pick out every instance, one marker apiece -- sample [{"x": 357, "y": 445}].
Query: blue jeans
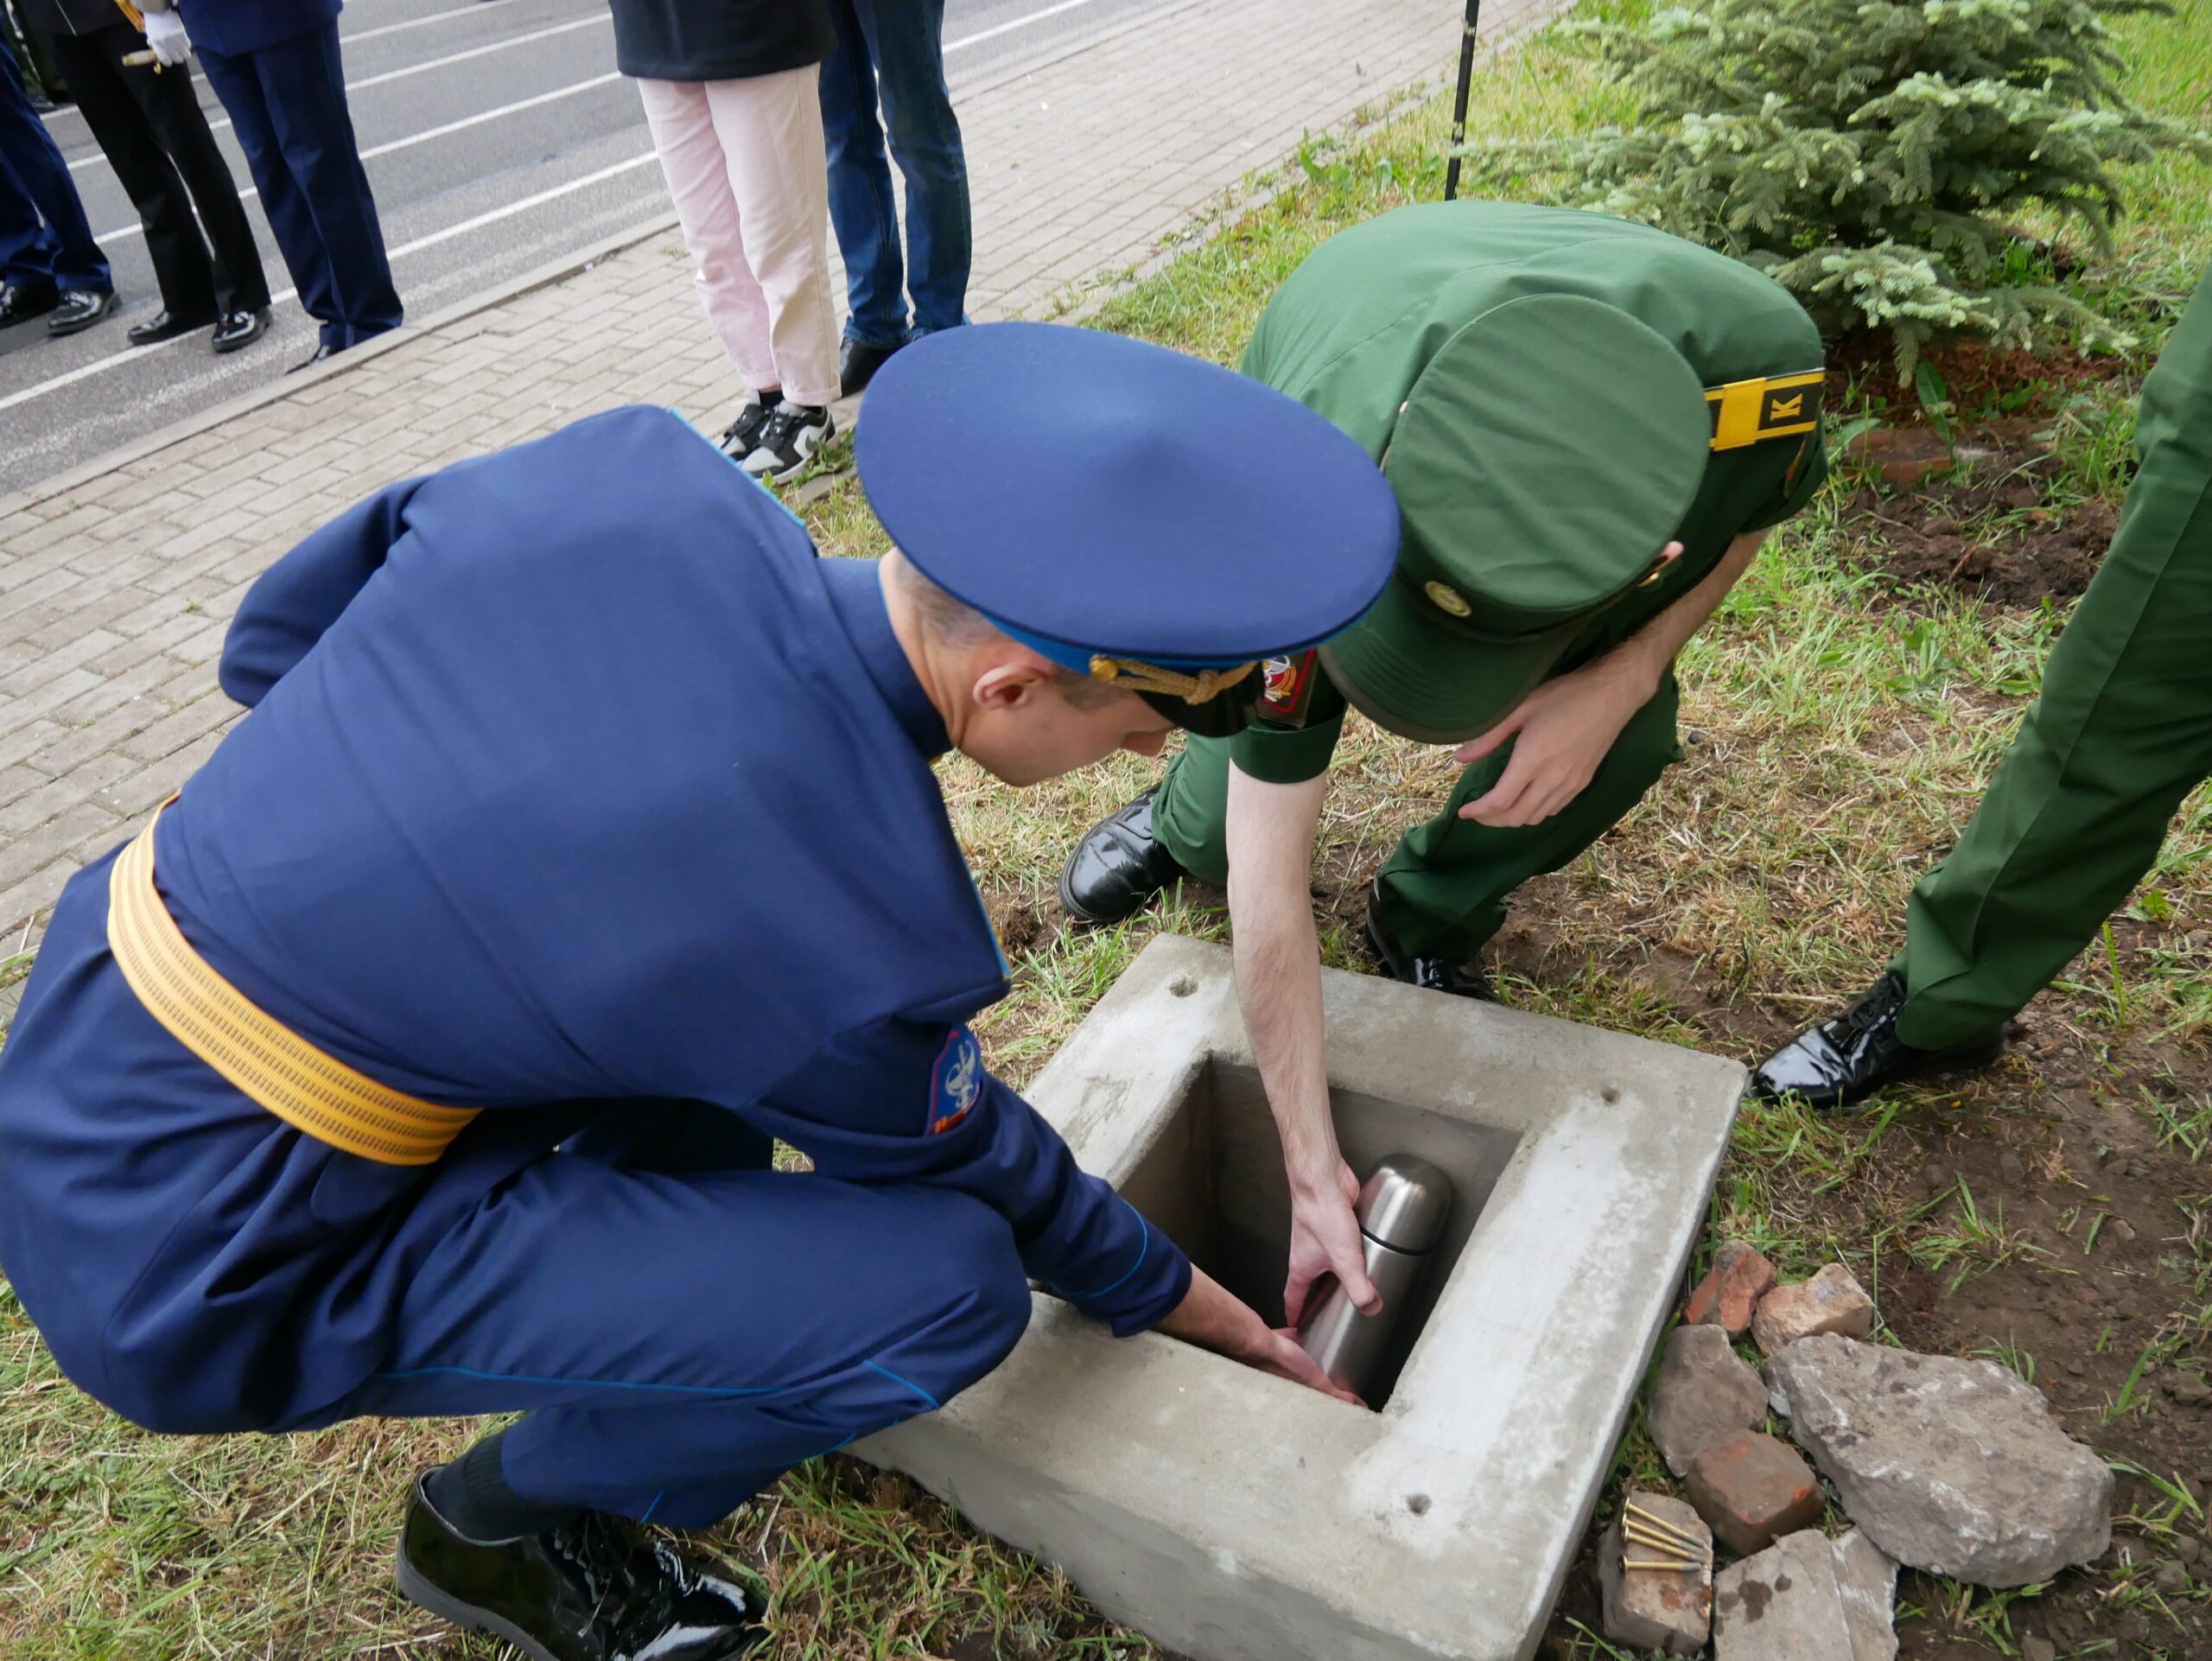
[
  {"x": 287, "y": 103},
  {"x": 45, "y": 242},
  {"x": 892, "y": 51}
]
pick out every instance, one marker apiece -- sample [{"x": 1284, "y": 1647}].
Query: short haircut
[{"x": 954, "y": 622}]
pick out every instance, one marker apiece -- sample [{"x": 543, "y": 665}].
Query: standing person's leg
[
  {"x": 1443, "y": 893},
  {"x": 906, "y": 40},
  {"x": 92, "y": 65},
  {"x": 698, "y": 177},
  {"x": 771, "y": 132},
  {"x": 304, "y": 86},
  {"x": 76, "y": 261},
  {"x": 172, "y": 111},
  {"x": 27, "y": 250},
  {"x": 2119, "y": 735},
  {"x": 862, "y": 204},
  {"x": 238, "y": 85}
]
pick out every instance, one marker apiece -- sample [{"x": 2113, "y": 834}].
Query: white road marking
[
  {"x": 1013, "y": 23},
  {"x": 599, "y": 21},
  {"x": 139, "y": 353},
  {"x": 138, "y": 229},
  {"x": 477, "y": 9}
]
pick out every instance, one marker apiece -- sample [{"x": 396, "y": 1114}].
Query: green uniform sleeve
[
  {"x": 1291, "y": 755},
  {"x": 1806, "y": 475}
]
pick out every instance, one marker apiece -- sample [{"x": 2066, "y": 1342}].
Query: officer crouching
[{"x": 425, "y": 1055}]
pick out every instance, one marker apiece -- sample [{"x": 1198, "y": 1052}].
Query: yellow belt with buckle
[{"x": 267, "y": 1060}]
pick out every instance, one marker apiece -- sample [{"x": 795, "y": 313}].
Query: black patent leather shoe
[
  {"x": 1433, "y": 974},
  {"x": 1846, "y": 1060},
  {"x": 1117, "y": 866},
  {"x": 596, "y": 1589},
  {"x": 20, "y": 301},
  {"x": 321, "y": 352},
  {"x": 857, "y": 362},
  {"x": 165, "y": 325},
  {"x": 78, "y": 310},
  {"x": 236, "y": 328}
]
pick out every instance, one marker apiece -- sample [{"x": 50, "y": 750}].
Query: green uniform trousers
[
  {"x": 1444, "y": 890},
  {"x": 2121, "y": 733}
]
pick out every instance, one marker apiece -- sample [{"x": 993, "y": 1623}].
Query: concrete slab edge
[{"x": 138, "y": 449}]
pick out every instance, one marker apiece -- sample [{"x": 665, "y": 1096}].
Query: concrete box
[{"x": 1235, "y": 1517}]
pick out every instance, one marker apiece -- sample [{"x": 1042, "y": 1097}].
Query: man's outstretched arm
[{"x": 1270, "y": 834}]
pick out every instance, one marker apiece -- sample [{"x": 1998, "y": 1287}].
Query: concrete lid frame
[{"x": 1235, "y": 1516}]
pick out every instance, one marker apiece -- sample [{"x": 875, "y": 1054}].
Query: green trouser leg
[
  {"x": 1191, "y": 814},
  {"x": 1444, "y": 890},
  {"x": 2120, "y": 733}
]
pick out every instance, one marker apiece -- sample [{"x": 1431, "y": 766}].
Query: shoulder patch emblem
[
  {"x": 1286, "y": 687},
  {"x": 955, "y": 1082}
]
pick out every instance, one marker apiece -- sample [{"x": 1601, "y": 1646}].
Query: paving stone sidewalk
[{"x": 116, "y": 584}]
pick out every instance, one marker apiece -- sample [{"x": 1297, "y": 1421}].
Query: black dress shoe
[
  {"x": 1433, "y": 974},
  {"x": 595, "y": 1589},
  {"x": 165, "y": 325},
  {"x": 857, "y": 362},
  {"x": 20, "y": 301},
  {"x": 78, "y": 310},
  {"x": 325, "y": 350},
  {"x": 1117, "y": 866},
  {"x": 1841, "y": 1061},
  {"x": 236, "y": 328}
]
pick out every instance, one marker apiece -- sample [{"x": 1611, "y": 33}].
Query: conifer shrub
[{"x": 1873, "y": 157}]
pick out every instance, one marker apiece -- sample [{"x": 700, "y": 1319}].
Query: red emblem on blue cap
[{"x": 955, "y": 1082}]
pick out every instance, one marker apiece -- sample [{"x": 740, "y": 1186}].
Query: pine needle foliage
[{"x": 1868, "y": 154}]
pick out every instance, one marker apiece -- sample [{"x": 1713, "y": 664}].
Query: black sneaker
[
  {"x": 1847, "y": 1059},
  {"x": 595, "y": 1589},
  {"x": 788, "y": 440},
  {"x": 742, "y": 436},
  {"x": 1432, "y": 974}
]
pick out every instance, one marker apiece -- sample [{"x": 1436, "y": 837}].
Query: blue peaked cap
[{"x": 1093, "y": 494}]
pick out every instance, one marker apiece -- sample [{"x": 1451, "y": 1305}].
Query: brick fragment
[
  {"x": 1832, "y": 1302},
  {"x": 1753, "y": 1489},
  {"x": 1740, "y": 1277}
]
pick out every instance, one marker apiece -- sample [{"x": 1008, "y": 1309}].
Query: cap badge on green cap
[{"x": 1446, "y": 598}]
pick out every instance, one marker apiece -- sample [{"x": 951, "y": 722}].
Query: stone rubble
[
  {"x": 1955, "y": 1466},
  {"x": 1808, "y": 1598},
  {"x": 1740, "y": 1277},
  {"x": 1646, "y": 1609},
  {"x": 1832, "y": 1302},
  {"x": 1752, "y": 1490},
  {"x": 1703, "y": 1394}
]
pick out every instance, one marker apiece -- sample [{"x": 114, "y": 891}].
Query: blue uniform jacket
[
  {"x": 231, "y": 26},
  {"x": 572, "y": 774}
]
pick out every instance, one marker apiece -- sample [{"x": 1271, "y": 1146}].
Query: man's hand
[
  {"x": 1325, "y": 1239},
  {"x": 1565, "y": 729},
  {"x": 1215, "y": 1319},
  {"x": 165, "y": 34}
]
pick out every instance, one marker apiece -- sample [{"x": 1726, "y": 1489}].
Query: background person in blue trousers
[
  {"x": 49, "y": 264},
  {"x": 891, "y": 54},
  {"x": 275, "y": 65}
]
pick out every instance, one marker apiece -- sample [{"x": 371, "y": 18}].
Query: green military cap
[{"x": 1544, "y": 456}]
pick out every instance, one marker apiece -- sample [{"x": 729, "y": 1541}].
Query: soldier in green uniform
[
  {"x": 2120, "y": 733},
  {"x": 1589, "y": 425}
]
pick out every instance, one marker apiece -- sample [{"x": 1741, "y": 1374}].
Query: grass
[{"x": 1837, "y": 736}]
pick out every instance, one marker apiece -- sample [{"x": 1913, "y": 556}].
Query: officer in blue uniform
[
  {"x": 425, "y": 1054},
  {"x": 275, "y": 65}
]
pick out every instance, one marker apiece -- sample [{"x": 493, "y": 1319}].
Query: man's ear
[{"x": 1009, "y": 684}]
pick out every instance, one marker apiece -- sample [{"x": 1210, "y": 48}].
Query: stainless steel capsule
[{"x": 1403, "y": 1207}]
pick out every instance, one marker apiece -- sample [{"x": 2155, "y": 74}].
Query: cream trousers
[{"x": 744, "y": 163}]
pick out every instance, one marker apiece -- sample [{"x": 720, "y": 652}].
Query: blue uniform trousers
[
  {"x": 894, "y": 53},
  {"x": 45, "y": 242},
  {"x": 680, "y": 1322},
  {"x": 287, "y": 103}
]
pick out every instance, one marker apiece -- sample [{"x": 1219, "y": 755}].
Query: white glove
[{"x": 165, "y": 34}]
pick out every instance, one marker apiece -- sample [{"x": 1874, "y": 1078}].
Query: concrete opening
[{"x": 1213, "y": 1182}]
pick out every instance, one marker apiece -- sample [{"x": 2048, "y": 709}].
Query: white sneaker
[{"x": 788, "y": 443}]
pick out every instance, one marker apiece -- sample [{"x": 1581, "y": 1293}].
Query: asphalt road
[{"x": 498, "y": 137}]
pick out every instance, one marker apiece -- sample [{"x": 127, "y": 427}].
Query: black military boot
[
  {"x": 1435, "y": 974},
  {"x": 597, "y": 1588},
  {"x": 1841, "y": 1061},
  {"x": 1117, "y": 866}
]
